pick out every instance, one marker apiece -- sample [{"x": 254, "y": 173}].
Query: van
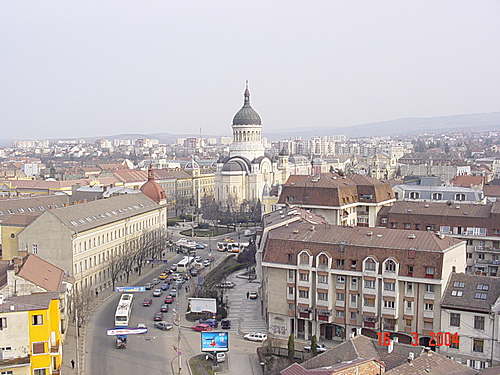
[{"x": 221, "y": 356}]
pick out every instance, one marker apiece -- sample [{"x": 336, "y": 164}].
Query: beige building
[
  {"x": 81, "y": 238},
  {"x": 327, "y": 280}
]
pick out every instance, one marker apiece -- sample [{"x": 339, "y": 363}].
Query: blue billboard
[
  {"x": 214, "y": 341},
  {"x": 121, "y": 289}
]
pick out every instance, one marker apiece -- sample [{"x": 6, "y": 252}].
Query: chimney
[
  {"x": 411, "y": 357},
  {"x": 358, "y": 331},
  {"x": 390, "y": 348}
]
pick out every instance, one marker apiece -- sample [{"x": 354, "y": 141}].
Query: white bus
[
  {"x": 185, "y": 264},
  {"x": 123, "y": 310}
]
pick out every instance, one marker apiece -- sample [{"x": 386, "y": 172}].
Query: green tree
[
  {"x": 291, "y": 346},
  {"x": 314, "y": 346}
]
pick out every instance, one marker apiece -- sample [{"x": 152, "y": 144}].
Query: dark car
[
  {"x": 164, "y": 326},
  {"x": 169, "y": 299},
  {"x": 147, "y": 302},
  {"x": 165, "y": 286},
  {"x": 225, "y": 324},
  {"x": 194, "y": 272},
  {"x": 164, "y": 308},
  {"x": 158, "y": 316},
  {"x": 211, "y": 322},
  {"x": 201, "y": 327}
]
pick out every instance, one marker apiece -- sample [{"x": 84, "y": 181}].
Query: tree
[
  {"x": 115, "y": 266},
  {"x": 81, "y": 303},
  {"x": 314, "y": 346},
  {"x": 291, "y": 347}
]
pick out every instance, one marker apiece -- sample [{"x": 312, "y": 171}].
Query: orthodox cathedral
[{"x": 248, "y": 173}]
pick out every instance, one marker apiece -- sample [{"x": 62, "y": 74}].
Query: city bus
[
  {"x": 185, "y": 264},
  {"x": 123, "y": 310}
]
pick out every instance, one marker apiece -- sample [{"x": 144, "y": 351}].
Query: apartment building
[
  {"x": 476, "y": 224},
  {"x": 327, "y": 280},
  {"x": 81, "y": 238},
  {"x": 30, "y": 334},
  {"x": 342, "y": 200},
  {"x": 470, "y": 306}
]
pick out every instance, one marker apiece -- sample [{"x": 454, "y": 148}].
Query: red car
[
  {"x": 201, "y": 327},
  {"x": 158, "y": 316},
  {"x": 169, "y": 299},
  {"x": 147, "y": 302}
]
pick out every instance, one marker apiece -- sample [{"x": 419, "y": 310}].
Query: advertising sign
[
  {"x": 214, "y": 341},
  {"x": 121, "y": 289},
  {"x": 126, "y": 331}
]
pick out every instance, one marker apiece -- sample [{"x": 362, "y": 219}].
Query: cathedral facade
[{"x": 248, "y": 173}]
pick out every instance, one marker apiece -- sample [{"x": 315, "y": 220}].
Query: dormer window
[{"x": 390, "y": 266}]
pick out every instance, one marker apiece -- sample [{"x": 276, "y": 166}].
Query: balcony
[
  {"x": 428, "y": 314},
  {"x": 486, "y": 249},
  {"x": 487, "y": 261},
  {"x": 55, "y": 348}
]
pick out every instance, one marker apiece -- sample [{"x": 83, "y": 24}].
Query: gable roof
[{"x": 41, "y": 273}]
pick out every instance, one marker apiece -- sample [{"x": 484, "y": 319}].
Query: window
[
  {"x": 454, "y": 320},
  {"x": 291, "y": 306},
  {"x": 323, "y": 260},
  {"x": 354, "y": 298},
  {"x": 34, "y": 248},
  {"x": 383, "y": 220},
  {"x": 369, "y": 302},
  {"x": 414, "y": 195},
  {"x": 394, "y": 225},
  {"x": 323, "y": 296},
  {"x": 290, "y": 258},
  {"x": 409, "y": 287},
  {"x": 455, "y": 344},
  {"x": 341, "y": 279},
  {"x": 437, "y": 196},
  {"x": 479, "y": 322},
  {"x": 457, "y": 293},
  {"x": 353, "y": 264},
  {"x": 407, "y": 225},
  {"x": 390, "y": 266},
  {"x": 354, "y": 283},
  {"x": 339, "y": 313},
  {"x": 3, "y": 323},
  {"x": 408, "y": 322},
  {"x": 458, "y": 284},
  {"x": 459, "y": 197},
  {"x": 36, "y": 320},
  {"x": 340, "y": 262},
  {"x": 483, "y": 287},
  {"x": 353, "y": 315},
  {"x": 290, "y": 290},
  {"x": 303, "y": 276},
  {"x": 480, "y": 295},
  {"x": 409, "y": 304},
  {"x": 410, "y": 270},
  {"x": 390, "y": 286},
  {"x": 370, "y": 284},
  {"x": 38, "y": 348},
  {"x": 340, "y": 296},
  {"x": 303, "y": 293},
  {"x": 429, "y": 288},
  {"x": 370, "y": 265},
  {"x": 429, "y": 271},
  {"x": 304, "y": 258},
  {"x": 323, "y": 279},
  {"x": 428, "y": 306},
  {"x": 290, "y": 274},
  {"x": 478, "y": 345},
  {"x": 389, "y": 304}
]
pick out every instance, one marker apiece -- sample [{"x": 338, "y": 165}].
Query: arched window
[
  {"x": 460, "y": 197},
  {"x": 323, "y": 260},
  {"x": 304, "y": 258},
  {"x": 437, "y": 196},
  {"x": 390, "y": 266},
  {"x": 414, "y": 195},
  {"x": 370, "y": 265}
]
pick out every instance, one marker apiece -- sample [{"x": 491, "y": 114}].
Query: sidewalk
[{"x": 71, "y": 345}]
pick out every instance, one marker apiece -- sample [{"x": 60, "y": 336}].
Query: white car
[
  {"x": 320, "y": 348},
  {"x": 197, "y": 258},
  {"x": 255, "y": 336},
  {"x": 221, "y": 357}
]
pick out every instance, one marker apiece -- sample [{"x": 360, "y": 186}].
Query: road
[{"x": 153, "y": 353}]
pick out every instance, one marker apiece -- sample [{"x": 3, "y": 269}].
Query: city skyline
[{"x": 72, "y": 71}]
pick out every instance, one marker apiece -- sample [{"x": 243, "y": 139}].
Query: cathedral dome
[
  {"x": 152, "y": 189},
  {"x": 247, "y": 115}
]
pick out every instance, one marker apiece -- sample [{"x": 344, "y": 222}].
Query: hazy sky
[{"x": 98, "y": 68}]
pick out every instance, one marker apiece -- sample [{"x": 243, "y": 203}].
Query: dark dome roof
[
  {"x": 236, "y": 165},
  {"x": 247, "y": 115}
]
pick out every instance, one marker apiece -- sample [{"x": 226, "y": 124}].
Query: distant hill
[{"x": 404, "y": 126}]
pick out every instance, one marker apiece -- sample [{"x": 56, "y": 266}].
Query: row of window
[{"x": 436, "y": 196}]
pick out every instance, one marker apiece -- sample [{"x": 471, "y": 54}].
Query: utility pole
[{"x": 179, "y": 338}]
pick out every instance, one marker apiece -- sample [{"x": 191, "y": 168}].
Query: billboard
[
  {"x": 121, "y": 289},
  {"x": 214, "y": 341}
]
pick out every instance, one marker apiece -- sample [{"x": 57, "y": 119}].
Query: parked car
[
  {"x": 169, "y": 299},
  {"x": 201, "y": 327},
  {"x": 197, "y": 259},
  {"x": 165, "y": 286},
  {"x": 211, "y": 322},
  {"x": 219, "y": 356},
  {"x": 206, "y": 263},
  {"x": 164, "y": 308},
  {"x": 164, "y": 326},
  {"x": 155, "y": 281},
  {"x": 158, "y": 316},
  {"x": 149, "y": 286},
  {"x": 320, "y": 348},
  {"x": 255, "y": 336},
  {"x": 225, "y": 324},
  {"x": 147, "y": 302},
  {"x": 253, "y": 295},
  {"x": 226, "y": 284},
  {"x": 157, "y": 293}
]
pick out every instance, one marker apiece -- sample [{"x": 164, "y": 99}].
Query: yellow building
[{"x": 31, "y": 334}]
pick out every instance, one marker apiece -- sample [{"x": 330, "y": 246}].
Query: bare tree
[
  {"x": 81, "y": 302},
  {"x": 115, "y": 267}
]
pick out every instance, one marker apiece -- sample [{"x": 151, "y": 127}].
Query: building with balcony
[
  {"x": 30, "y": 334},
  {"x": 476, "y": 224},
  {"x": 339, "y": 278},
  {"x": 471, "y": 307}
]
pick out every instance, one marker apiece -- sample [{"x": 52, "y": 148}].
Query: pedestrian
[
  {"x": 186, "y": 288},
  {"x": 72, "y": 363},
  {"x": 248, "y": 294},
  {"x": 96, "y": 293}
]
